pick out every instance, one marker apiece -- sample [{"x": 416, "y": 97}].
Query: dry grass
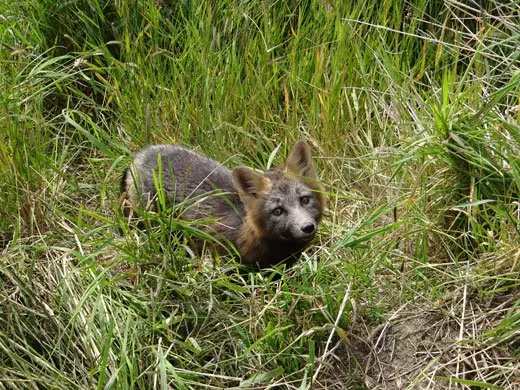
[{"x": 411, "y": 109}]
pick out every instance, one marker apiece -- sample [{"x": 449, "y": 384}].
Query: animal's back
[
  {"x": 202, "y": 185},
  {"x": 185, "y": 172}
]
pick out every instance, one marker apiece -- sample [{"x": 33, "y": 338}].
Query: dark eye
[
  {"x": 277, "y": 211},
  {"x": 304, "y": 200}
]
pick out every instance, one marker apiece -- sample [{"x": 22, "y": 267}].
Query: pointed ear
[
  {"x": 299, "y": 162},
  {"x": 249, "y": 184}
]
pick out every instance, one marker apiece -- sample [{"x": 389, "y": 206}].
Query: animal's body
[{"x": 270, "y": 218}]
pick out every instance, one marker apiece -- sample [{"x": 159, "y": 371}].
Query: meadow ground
[{"x": 412, "y": 111}]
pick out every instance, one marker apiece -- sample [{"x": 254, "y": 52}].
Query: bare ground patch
[{"x": 437, "y": 348}]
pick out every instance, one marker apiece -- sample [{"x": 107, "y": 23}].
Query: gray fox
[{"x": 269, "y": 218}]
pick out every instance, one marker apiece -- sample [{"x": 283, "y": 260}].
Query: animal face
[
  {"x": 290, "y": 213},
  {"x": 286, "y": 203}
]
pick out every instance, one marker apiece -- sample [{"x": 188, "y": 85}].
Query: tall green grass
[{"x": 411, "y": 109}]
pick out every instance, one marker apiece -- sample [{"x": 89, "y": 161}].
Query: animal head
[{"x": 285, "y": 203}]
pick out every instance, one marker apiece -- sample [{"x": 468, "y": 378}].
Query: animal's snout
[{"x": 308, "y": 228}]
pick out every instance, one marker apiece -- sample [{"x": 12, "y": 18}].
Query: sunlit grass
[{"x": 411, "y": 111}]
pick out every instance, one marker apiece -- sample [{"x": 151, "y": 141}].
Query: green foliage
[{"x": 411, "y": 109}]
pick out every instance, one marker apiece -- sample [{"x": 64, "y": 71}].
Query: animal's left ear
[{"x": 299, "y": 162}]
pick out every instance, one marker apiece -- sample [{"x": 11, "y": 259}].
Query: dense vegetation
[{"x": 412, "y": 111}]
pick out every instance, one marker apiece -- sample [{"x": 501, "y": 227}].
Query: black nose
[{"x": 308, "y": 228}]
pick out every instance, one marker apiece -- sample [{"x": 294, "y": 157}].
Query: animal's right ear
[{"x": 249, "y": 184}]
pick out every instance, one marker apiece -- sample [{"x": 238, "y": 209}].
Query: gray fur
[
  {"x": 286, "y": 194},
  {"x": 186, "y": 175},
  {"x": 242, "y": 202}
]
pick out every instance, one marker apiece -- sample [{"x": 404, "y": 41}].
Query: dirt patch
[
  {"x": 433, "y": 349},
  {"x": 402, "y": 348}
]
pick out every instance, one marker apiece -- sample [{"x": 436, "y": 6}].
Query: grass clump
[{"x": 412, "y": 111}]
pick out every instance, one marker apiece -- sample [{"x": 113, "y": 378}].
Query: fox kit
[{"x": 270, "y": 218}]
